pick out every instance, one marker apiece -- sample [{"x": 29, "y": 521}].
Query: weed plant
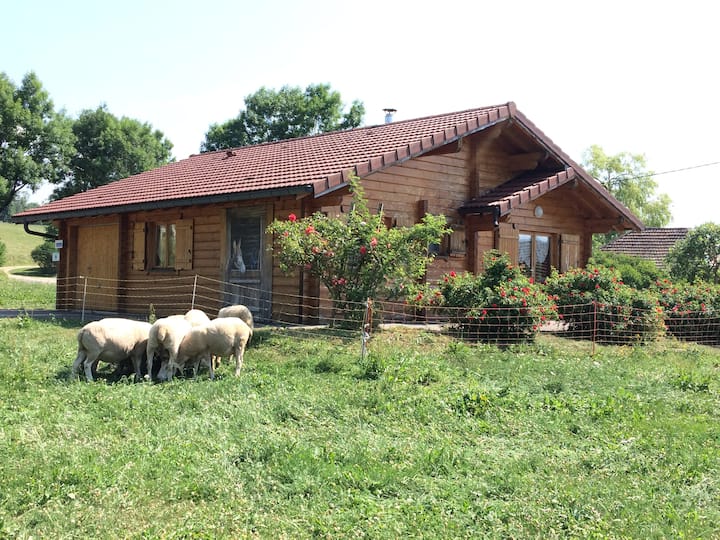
[{"x": 425, "y": 437}]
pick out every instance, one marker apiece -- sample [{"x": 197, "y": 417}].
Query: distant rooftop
[{"x": 652, "y": 243}]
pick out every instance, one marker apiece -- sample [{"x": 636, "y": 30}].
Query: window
[
  {"x": 534, "y": 255},
  {"x": 165, "y": 244},
  {"x": 162, "y": 245}
]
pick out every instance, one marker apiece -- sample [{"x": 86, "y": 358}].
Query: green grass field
[
  {"x": 424, "y": 438},
  {"x": 15, "y": 294},
  {"x": 18, "y": 244}
]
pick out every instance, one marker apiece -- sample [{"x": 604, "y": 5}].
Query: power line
[
  {"x": 687, "y": 168},
  {"x": 649, "y": 175}
]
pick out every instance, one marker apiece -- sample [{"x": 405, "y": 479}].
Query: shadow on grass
[{"x": 34, "y": 272}]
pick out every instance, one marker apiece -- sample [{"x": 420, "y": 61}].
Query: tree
[
  {"x": 291, "y": 112},
  {"x": 35, "y": 141},
  {"x": 357, "y": 257},
  {"x": 627, "y": 178},
  {"x": 110, "y": 148},
  {"x": 19, "y": 203},
  {"x": 697, "y": 256}
]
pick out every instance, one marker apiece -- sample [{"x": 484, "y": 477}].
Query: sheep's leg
[
  {"x": 137, "y": 361},
  {"x": 81, "y": 356},
  {"x": 150, "y": 358},
  {"x": 90, "y": 362},
  {"x": 209, "y": 360},
  {"x": 238, "y": 353}
]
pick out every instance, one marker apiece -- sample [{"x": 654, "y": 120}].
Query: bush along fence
[{"x": 501, "y": 306}]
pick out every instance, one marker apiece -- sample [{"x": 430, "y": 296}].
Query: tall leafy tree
[
  {"x": 627, "y": 177},
  {"x": 697, "y": 256},
  {"x": 110, "y": 148},
  {"x": 287, "y": 113},
  {"x": 35, "y": 140}
]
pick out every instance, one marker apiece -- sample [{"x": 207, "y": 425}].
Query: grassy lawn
[
  {"x": 18, "y": 244},
  {"x": 16, "y": 294},
  {"x": 425, "y": 437}
]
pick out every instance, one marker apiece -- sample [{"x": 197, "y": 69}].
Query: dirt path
[{"x": 30, "y": 279}]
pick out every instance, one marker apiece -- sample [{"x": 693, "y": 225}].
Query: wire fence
[{"x": 302, "y": 316}]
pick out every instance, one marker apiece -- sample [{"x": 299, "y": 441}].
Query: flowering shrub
[
  {"x": 692, "y": 311},
  {"x": 357, "y": 257},
  {"x": 501, "y": 305},
  {"x": 596, "y": 304}
]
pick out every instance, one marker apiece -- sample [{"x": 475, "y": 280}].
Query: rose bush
[
  {"x": 356, "y": 256},
  {"x": 501, "y": 305},
  {"x": 596, "y": 304},
  {"x": 691, "y": 310}
]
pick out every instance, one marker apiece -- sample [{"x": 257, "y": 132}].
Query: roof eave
[
  {"x": 169, "y": 203},
  {"x": 550, "y": 146}
]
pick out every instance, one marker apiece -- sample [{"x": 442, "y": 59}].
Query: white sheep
[
  {"x": 223, "y": 336},
  {"x": 239, "y": 311},
  {"x": 111, "y": 340},
  {"x": 196, "y": 317},
  {"x": 167, "y": 333}
]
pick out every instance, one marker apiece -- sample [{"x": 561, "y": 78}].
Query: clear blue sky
[{"x": 630, "y": 76}]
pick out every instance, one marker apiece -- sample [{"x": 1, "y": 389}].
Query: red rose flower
[{"x": 292, "y": 217}]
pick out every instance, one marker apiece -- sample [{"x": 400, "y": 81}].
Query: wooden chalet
[{"x": 497, "y": 178}]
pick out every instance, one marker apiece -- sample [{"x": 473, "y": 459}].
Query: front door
[
  {"x": 246, "y": 274},
  {"x": 97, "y": 266}
]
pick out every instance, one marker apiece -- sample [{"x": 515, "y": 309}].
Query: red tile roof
[
  {"x": 653, "y": 243},
  {"x": 316, "y": 164}
]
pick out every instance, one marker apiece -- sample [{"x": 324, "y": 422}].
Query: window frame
[{"x": 532, "y": 272}]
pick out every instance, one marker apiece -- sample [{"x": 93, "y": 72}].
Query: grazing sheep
[
  {"x": 240, "y": 311},
  {"x": 223, "y": 336},
  {"x": 111, "y": 340},
  {"x": 196, "y": 317},
  {"x": 167, "y": 333},
  {"x": 237, "y": 310}
]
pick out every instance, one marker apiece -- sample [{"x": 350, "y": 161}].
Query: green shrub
[
  {"x": 2, "y": 254},
  {"x": 692, "y": 311},
  {"x": 500, "y": 306},
  {"x": 42, "y": 255},
  {"x": 596, "y": 304},
  {"x": 636, "y": 272}
]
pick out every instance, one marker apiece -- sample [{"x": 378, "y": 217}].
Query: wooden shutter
[
  {"x": 483, "y": 242},
  {"x": 507, "y": 241},
  {"x": 569, "y": 251},
  {"x": 184, "y": 244},
  {"x": 138, "y": 253}
]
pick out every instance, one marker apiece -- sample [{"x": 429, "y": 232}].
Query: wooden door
[
  {"x": 97, "y": 260},
  {"x": 248, "y": 270}
]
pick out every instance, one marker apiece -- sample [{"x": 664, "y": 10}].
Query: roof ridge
[{"x": 509, "y": 104}]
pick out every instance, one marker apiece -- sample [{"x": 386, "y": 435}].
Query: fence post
[
  {"x": 82, "y": 316},
  {"x": 192, "y": 304},
  {"x": 594, "y": 332},
  {"x": 366, "y": 327}
]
